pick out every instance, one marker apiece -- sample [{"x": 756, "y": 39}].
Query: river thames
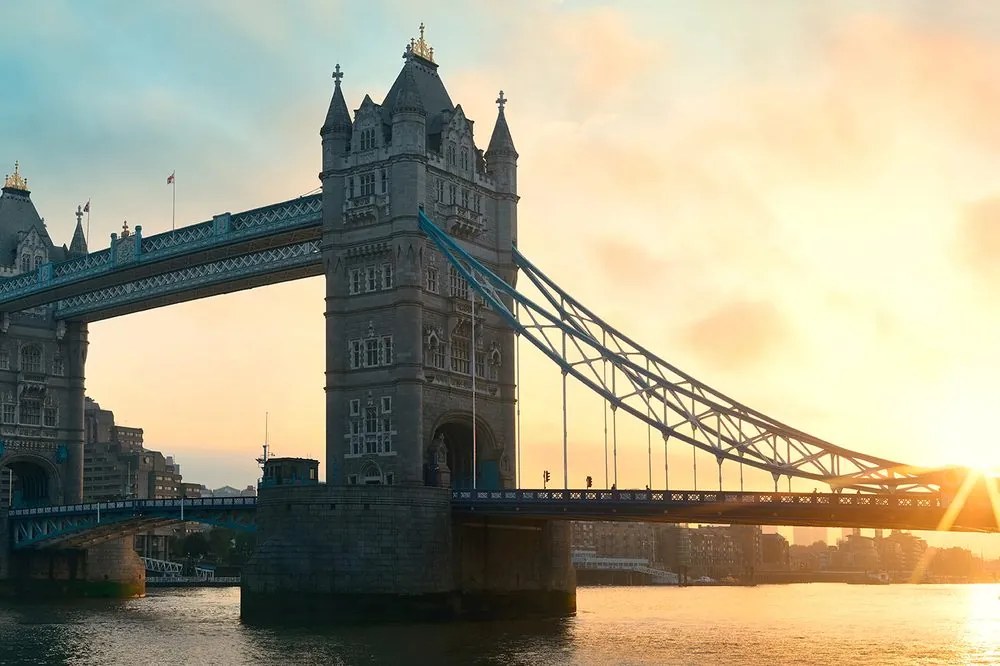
[{"x": 790, "y": 624}]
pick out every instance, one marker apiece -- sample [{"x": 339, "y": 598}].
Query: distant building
[
  {"x": 774, "y": 553},
  {"x": 229, "y": 491}
]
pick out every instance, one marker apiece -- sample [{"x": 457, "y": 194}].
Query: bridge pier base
[
  {"x": 336, "y": 554},
  {"x": 110, "y": 569}
]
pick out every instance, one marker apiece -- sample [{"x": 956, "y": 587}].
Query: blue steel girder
[
  {"x": 135, "y": 258},
  {"x": 650, "y": 389},
  {"x": 84, "y": 525}
]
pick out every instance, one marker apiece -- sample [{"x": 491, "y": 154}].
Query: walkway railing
[{"x": 136, "y": 505}]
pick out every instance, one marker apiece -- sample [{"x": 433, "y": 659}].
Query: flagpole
[
  {"x": 88, "y": 223},
  {"x": 173, "y": 211}
]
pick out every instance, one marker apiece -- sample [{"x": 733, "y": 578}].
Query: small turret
[
  {"x": 409, "y": 129},
  {"x": 501, "y": 157},
  {"x": 78, "y": 246},
  {"x": 336, "y": 131}
]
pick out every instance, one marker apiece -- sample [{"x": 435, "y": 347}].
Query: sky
[{"x": 797, "y": 203}]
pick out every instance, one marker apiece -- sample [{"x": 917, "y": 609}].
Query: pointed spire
[
  {"x": 408, "y": 96},
  {"x": 337, "y": 118},
  {"x": 78, "y": 246},
  {"x": 501, "y": 142}
]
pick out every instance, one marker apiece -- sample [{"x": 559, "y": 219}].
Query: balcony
[
  {"x": 366, "y": 209},
  {"x": 462, "y": 222}
]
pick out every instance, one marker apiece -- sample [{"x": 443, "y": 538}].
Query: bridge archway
[
  {"x": 28, "y": 481},
  {"x": 456, "y": 430}
]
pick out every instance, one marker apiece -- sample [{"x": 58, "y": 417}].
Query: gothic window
[
  {"x": 478, "y": 202},
  {"x": 431, "y": 279},
  {"x": 31, "y": 359},
  {"x": 368, "y": 138},
  {"x": 440, "y": 190},
  {"x": 465, "y": 199},
  {"x": 452, "y": 189},
  {"x": 356, "y": 436},
  {"x": 451, "y": 153},
  {"x": 4, "y": 359},
  {"x": 385, "y": 350},
  {"x": 25, "y": 263},
  {"x": 465, "y": 158},
  {"x": 355, "y": 408},
  {"x": 384, "y": 177},
  {"x": 31, "y": 412},
  {"x": 354, "y": 286},
  {"x": 367, "y": 184},
  {"x": 371, "y": 429},
  {"x": 349, "y": 187},
  {"x": 356, "y": 353},
  {"x": 8, "y": 409},
  {"x": 371, "y": 278},
  {"x": 371, "y": 352},
  {"x": 58, "y": 367},
  {"x": 480, "y": 364},
  {"x": 459, "y": 356},
  {"x": 387, "y": 276},
  {"x": 38, "y": 260},
  {"x": 386, "y": 404},
  {"x": 436, "y": 349},
  {"x": 49, "y": 414},
  {"x": 457, "y": 285}
]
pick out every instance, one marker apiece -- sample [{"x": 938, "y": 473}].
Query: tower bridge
[{"x": 415, "y": 231}]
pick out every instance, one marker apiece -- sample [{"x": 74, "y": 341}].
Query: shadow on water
[{"x": 203, "y": 627}]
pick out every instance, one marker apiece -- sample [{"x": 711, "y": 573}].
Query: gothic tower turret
[{"x": 336, "y": 131}]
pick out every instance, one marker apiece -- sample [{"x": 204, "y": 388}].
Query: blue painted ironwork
[
  {"x": 134, "y": 250},
  {"x": 655, "y": 392},
  {"x": 85, "y": 524},
  {"x": 188, "y": 279}
]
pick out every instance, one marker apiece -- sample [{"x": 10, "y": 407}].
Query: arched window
[
  {"x": 465, "y": 158},
  {"x": 31, "y": 359},
  {"x": 25, "y": 263},
  {"x": 38, "y": 261},
  {"x": 371, "y": 475}
]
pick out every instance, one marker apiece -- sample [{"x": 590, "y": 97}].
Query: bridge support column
[
  {"x": 361, "y": 553},
  {"x": 110, "y": 569},
  {"x": 72, "y": 426},
  {"x": 514, "y": 568}
]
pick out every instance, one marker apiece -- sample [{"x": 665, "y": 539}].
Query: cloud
[
  {"x": 739, "y": 334},
  {"x": 978, "y": 238}
]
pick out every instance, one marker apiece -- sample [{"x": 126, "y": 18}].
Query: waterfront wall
[{"x": 363, "y": 553}]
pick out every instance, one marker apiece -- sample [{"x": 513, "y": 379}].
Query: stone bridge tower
[
  {"x": 403, "y": 339},
  {"x": 401, "y": 345},
  {"x": 41, "y": 368}
]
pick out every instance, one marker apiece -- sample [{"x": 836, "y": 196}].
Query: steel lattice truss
[
  {"x": 634, "y": 380},
  {"x": 83, "y": 525}
]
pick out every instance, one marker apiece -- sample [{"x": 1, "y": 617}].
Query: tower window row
[
  {"x": 369, "y": 278},
  {"x": 458, "y": 360},
  {"x": 31, "y": 412},
  {"x": 32, "y": 361},
  {"x": 366, "y": 184},
  {"x": 372, "y": 352},
  {"x": 367, "y": 138},
  {"x": 449, "y": 193},
  {"x": 370, "y": 429}
]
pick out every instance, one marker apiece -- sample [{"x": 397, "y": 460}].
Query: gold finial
[
  {"x": 16, "y": 182},
  {"x": 419, "y": 47},
  {"x": 125, "y": 231}
]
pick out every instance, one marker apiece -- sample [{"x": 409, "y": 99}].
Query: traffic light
[
  {"x": 545, "y": 477},
  {"x": 590, "y": 481}
]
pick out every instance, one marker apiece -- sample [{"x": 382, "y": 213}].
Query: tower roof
[
  {"x": 501, "y": 142},
  {"x": 78, "y": 245},
  {"x": 18, "y": 217},
  {"x": 419, "y": 75},
  {"x": 408, "y": 96},
  {"x": 337, "y": 117}
]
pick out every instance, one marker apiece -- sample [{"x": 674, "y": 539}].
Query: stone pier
[
  {"x": 110, "y": 569},
  {"x": 333, "y": 554}
]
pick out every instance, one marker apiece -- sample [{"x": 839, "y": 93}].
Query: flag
[
  {"x": 170, "y": 178},
  {"x": 86, "y": 206}
]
